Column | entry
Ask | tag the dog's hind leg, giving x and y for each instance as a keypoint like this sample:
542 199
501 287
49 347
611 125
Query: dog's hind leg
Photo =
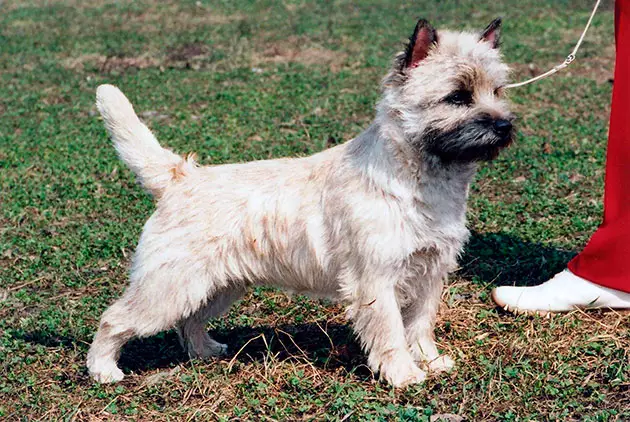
113 332
126 318
142 311
419 318
192 331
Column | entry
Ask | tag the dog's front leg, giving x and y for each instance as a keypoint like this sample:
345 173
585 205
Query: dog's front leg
419 319
379 325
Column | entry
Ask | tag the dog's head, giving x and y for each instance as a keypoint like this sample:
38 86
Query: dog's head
445 93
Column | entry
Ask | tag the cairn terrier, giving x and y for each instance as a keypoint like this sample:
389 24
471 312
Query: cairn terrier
377 222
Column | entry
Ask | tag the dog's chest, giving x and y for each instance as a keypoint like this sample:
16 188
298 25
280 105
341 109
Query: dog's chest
439 238
437 222
438 243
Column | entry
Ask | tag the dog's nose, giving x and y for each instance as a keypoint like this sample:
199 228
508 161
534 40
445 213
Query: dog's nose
502 127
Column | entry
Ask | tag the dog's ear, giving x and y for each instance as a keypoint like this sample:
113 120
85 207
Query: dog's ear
492 33
423 39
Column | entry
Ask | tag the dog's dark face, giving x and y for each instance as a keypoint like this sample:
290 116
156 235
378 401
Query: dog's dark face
481 138
446 91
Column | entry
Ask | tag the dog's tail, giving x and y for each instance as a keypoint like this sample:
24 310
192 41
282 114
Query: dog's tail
156 167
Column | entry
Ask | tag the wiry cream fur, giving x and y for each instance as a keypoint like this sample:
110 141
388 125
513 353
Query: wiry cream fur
374 222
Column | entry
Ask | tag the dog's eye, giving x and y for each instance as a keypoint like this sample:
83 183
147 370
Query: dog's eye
498 91
459 98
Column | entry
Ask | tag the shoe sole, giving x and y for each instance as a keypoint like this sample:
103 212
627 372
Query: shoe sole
519 311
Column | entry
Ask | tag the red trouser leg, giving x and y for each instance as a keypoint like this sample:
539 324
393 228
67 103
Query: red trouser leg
606 258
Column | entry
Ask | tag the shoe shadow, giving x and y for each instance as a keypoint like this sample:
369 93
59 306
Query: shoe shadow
500 259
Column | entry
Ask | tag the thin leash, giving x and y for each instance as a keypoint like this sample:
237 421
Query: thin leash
570 58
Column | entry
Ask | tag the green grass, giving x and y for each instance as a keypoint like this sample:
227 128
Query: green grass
240 80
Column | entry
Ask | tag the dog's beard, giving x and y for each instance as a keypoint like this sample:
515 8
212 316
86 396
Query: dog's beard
472 141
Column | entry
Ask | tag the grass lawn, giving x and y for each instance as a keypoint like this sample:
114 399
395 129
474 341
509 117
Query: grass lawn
241 80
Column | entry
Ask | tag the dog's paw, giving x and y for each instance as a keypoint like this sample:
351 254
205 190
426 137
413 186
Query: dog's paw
403 372
208 348
105 373
442 364
214 349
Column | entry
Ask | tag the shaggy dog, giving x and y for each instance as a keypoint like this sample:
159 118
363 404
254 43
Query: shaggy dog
377 222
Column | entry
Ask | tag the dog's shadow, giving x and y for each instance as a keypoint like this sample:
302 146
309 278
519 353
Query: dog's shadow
491 259
330 347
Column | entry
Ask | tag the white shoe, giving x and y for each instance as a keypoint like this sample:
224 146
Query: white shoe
565 292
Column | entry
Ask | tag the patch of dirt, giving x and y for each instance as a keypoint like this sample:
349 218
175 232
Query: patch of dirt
187 52
190 55
109 64
106 64
195 56
292 51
